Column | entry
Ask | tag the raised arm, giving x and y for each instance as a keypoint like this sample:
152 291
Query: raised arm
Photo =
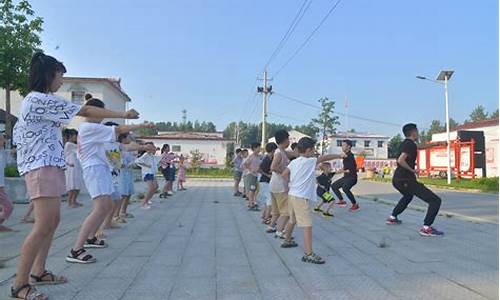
126 128
138 147
97 112
329 157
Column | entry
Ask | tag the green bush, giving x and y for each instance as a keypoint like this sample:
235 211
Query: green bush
11 171
209 172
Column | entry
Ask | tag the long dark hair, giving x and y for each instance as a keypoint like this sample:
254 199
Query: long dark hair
164 148
43 69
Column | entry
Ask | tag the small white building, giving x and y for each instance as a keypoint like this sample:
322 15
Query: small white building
491 140
212 146
74 89
374 146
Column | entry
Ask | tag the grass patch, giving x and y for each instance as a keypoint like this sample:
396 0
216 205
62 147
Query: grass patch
209 173
481 184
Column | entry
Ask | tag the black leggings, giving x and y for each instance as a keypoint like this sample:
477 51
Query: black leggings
346 183
410 188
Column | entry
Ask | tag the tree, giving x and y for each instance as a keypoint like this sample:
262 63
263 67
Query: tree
19 36
326 122
478 114
195 159
494 115
393 146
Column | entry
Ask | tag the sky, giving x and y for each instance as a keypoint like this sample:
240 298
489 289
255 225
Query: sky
206 57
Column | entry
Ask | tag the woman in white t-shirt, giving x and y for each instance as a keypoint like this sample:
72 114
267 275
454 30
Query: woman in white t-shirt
40 160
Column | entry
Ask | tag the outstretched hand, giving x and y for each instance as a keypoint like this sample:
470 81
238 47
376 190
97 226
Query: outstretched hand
131 114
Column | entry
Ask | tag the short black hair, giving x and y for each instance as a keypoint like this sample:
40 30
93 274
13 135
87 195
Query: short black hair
149 143
238 151
43 69
280 136
255 145
270 147
305 143
348 142
88 96
293 146
95 102
408 128
111 124
244 150
122 136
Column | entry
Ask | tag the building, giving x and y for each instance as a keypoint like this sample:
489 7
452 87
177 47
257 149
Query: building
295 136
74 89
374 146
491 139
212 146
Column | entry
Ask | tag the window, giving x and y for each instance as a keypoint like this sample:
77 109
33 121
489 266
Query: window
353 143
339 143
367 144
77 97
380 144
176 148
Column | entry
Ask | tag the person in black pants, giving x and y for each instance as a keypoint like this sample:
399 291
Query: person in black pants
349 179
405 181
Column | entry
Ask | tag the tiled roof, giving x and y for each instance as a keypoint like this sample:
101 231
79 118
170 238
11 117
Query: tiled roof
204 136
113 82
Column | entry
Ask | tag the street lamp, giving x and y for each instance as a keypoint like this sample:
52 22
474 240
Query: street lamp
444 76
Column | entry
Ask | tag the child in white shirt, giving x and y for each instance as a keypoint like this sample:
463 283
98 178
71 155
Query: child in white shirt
301 178
93 138
149 166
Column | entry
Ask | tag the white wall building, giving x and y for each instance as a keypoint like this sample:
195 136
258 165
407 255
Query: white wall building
75 88
373 145
491 140
212 146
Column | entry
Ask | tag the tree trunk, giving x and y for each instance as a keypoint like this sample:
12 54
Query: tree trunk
8 126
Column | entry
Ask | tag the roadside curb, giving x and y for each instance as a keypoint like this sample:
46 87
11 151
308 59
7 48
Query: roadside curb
442 213
440 187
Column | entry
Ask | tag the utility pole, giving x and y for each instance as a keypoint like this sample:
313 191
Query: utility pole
184 116
238 134
265 90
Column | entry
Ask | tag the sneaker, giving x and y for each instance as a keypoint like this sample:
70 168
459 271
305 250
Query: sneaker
146 207
271 230
170 194
392 221
354 208
313 258
279 234
150 202
95 243
318 209
289 244
327 214
430 231
341 203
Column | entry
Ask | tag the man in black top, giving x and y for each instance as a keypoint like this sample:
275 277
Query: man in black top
350 177
405 181
265 178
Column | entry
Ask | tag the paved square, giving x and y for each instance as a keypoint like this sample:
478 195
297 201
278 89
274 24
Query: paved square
204 244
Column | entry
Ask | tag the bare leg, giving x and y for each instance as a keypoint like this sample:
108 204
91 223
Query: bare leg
151 191
36 245
27 216
289 230
126 200
101 207
281 223
308 240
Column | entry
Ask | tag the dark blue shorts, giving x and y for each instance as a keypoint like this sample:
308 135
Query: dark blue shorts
149 177
169 173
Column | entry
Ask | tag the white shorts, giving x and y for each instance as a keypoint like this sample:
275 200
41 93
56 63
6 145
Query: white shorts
264 194
98 181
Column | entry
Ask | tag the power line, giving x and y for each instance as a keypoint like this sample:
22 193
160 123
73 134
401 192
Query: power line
336 112
286 117
296 20
309 37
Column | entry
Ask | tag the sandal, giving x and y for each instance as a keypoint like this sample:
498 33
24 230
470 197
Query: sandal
95 243
39 280
313 258
289 244
80 257
31 293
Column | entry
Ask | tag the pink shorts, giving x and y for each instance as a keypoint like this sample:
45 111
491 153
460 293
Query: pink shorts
47 182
